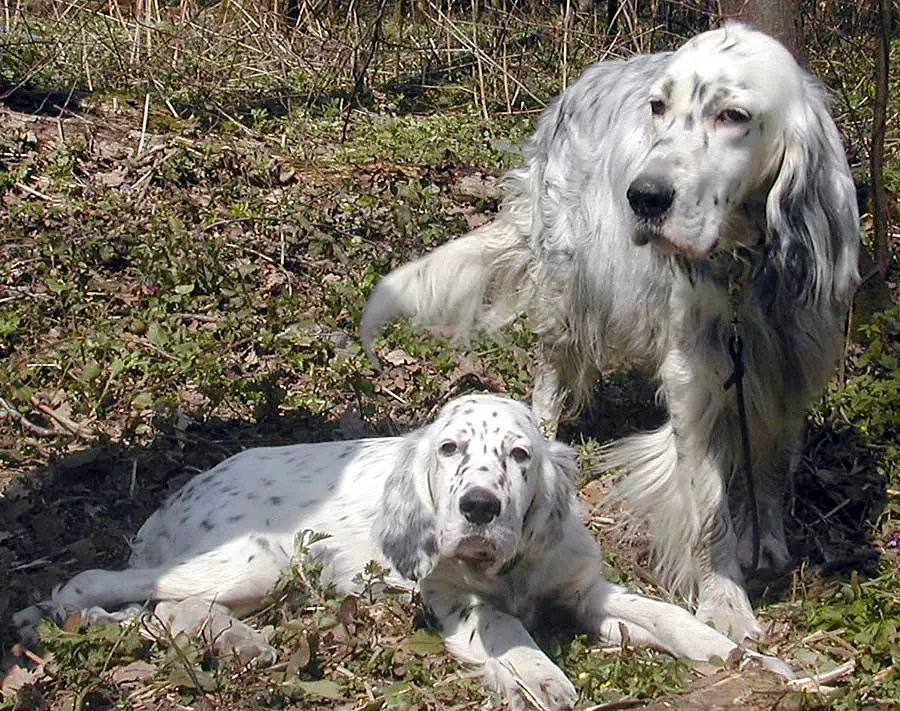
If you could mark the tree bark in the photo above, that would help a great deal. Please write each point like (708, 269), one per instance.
(778, 18)
(879, 121)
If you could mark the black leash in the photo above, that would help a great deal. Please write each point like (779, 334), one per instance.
(736, 379)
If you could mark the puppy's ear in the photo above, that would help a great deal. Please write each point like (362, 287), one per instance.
(565, 460)
(406, 528)
(553, 500)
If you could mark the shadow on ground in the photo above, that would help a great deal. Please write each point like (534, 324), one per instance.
(80, 511)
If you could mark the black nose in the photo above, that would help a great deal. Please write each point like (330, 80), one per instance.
(479, 505)
(650, 195)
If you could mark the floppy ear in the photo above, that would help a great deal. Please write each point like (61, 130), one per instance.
(406, 526)
(553, 498)
(811, 209)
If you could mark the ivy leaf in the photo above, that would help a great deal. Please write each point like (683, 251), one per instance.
(425, 642)
(326, 688)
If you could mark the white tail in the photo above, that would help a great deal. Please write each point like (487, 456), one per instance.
(474, 282)
(653, 491)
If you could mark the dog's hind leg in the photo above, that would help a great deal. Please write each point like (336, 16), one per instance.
(237, 574)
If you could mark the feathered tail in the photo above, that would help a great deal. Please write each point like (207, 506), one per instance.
(476, 282)
(653, 491)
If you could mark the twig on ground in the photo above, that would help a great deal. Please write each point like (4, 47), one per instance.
(817, 681)
(73, 427)
(390, 393)
(140, 148)
(25, 422)
(132, 482)
(31, 191)
(625, 703)
(31, 565)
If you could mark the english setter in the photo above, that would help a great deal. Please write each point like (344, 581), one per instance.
(477, 510)
(669, 201)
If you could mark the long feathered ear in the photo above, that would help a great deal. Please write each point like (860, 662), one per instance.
(406, 526)
(553, 500)
(811, 209)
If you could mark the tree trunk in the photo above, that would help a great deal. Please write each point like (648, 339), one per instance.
(779, 18)
(879, 121)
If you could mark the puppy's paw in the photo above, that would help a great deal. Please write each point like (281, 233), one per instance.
(532, 682)
(227, 635)
(25, 622)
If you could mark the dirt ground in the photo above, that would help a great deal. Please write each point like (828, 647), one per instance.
(76, 484)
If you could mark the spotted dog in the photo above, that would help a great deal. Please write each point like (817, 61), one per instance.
(477, 510)
(670, 203)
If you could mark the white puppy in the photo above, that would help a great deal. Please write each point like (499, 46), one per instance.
(478, 510)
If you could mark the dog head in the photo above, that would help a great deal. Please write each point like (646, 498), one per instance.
(477, 485)
(736, 128)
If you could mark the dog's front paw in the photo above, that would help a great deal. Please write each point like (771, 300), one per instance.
(531, 681)
(725, 605)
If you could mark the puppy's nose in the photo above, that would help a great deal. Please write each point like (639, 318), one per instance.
(479, 505)
(650, 195)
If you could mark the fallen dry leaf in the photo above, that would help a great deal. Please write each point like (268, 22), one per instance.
(17, 678)
(131, 673)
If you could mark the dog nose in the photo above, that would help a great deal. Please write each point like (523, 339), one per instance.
(479, 505)
(650, 195)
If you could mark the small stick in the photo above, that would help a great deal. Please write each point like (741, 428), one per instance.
(144, 124)
(813, 683)
(31, 191)
(25, 422)
(68, 424)
(132, 484)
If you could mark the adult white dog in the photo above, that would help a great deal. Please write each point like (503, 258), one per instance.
(477, 509)
(670, 202)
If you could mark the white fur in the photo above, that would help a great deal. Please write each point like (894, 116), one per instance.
(616, 239)
(228, 535)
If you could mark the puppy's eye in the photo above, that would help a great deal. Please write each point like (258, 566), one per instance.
(733, 116)
(657, 107)
(519, 454)
(448, 448)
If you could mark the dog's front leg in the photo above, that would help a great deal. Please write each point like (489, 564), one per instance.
(619, 616)
(548, 396)
(479, 634)
(706, 443)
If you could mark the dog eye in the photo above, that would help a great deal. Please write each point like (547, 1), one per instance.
(657, 107)
(519, 454)
(448, 448)
(733, 116)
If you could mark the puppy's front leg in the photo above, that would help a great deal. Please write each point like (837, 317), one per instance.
(477, 633)
(661, 625)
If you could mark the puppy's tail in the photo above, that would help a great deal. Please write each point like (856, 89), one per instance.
(654, 492)
(476, 282)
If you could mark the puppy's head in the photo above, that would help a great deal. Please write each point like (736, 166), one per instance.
(487, 482)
